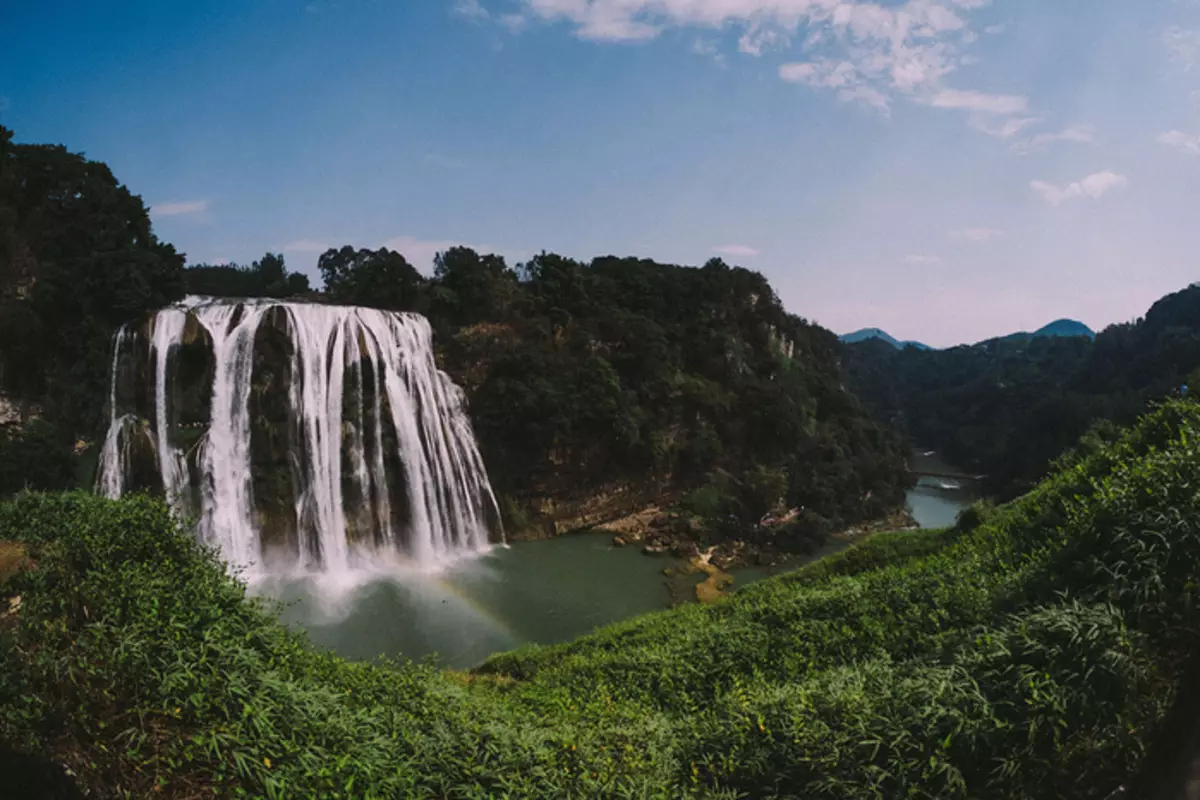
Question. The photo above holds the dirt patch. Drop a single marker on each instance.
(13, 558)
(897, 521)
(712, 588)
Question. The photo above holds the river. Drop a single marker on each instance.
(546, 591)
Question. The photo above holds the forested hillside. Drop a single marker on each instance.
(585, 377)
(1008, 407)
(77, 260)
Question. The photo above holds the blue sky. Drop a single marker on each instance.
(945, 169)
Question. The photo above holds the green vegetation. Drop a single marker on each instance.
(1032, 653)
(584, 378)
(267, 277)
(34, 456)
(77, 260)
(1008, 407)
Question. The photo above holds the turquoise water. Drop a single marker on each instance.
(546, 592)
(935, 502)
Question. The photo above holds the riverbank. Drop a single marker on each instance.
(659, 532)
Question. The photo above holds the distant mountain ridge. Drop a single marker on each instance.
(1059, 328)
(1065, 327)
(877, 333)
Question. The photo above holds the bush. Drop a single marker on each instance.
(973, 516)
(707, 502)
(37, 456)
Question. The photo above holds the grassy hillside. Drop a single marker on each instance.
(1034, 654)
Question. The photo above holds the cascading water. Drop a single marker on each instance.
(114, 457)
(379, 448)
(166, 332)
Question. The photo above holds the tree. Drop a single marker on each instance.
(476, 288)
(267, 277)
(80, 259)
(375, 278)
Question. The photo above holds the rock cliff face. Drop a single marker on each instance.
(298, 434)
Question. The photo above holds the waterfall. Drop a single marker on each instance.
(167, 331)
(227, 518)
(380, 451)
(114, 456)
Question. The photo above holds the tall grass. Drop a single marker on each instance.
(1034, 654)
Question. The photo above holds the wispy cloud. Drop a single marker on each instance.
(5, 103)
(1012, 128)
(305, 246)
(515, 23)
(976, 235)
(851, 88)
(175, 209)
(1002, 129)
(1182, 45)
(1079, 134)
(472, 10)
(922, 260)
(758, 40)
(864, 52)
(1094, 186)
(737, 250)
(1182, 141)
(979, 102)
(709, 49)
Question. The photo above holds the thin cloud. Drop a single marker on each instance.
(175, 209)
(1094, 186)
(842, 76)
(737, 250)
(1184, 142)
(709, 49)
(864, 52)
(1182, 46)
(758, 40)
(1004, 129)
(922, 260)
(976, 235)
(979, 102)
(472, 10)
(1079, 134)
(514, 23)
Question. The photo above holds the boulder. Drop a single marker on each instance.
(685, 548)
